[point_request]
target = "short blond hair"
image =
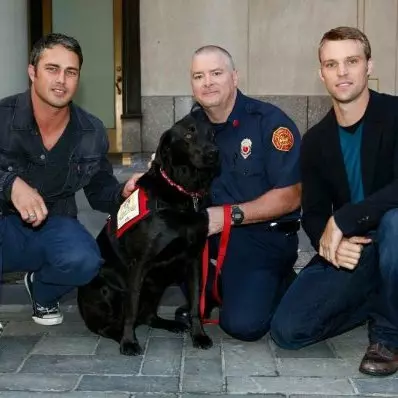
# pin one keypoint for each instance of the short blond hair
(346, 33)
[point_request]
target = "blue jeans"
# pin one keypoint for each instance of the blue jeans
(325, 301)
(61, 252)
(253, 279)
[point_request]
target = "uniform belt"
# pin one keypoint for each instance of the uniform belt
(288, 227)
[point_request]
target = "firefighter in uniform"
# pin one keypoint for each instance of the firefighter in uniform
(259, 149)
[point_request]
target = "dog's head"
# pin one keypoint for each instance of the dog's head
(188, 154)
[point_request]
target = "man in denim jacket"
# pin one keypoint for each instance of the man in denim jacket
(50, 149)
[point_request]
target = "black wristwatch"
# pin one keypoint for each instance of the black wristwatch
(237, 215)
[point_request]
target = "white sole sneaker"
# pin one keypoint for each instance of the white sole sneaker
(42, 315)
(48, 320)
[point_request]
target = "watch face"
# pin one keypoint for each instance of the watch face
(237, 215)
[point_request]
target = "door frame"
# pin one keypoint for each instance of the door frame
(127, 55)
(114, 134)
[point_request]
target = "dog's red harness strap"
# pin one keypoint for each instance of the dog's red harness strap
(205, 270)
(222, 250)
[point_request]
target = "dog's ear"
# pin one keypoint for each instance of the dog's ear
(198, 114)
(162, 155)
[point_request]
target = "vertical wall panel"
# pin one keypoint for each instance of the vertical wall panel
(284, 37)
(13, 46)
(171, 30)
(381, 28)
(91, 23)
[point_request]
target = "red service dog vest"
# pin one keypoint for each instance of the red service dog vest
(132, 210)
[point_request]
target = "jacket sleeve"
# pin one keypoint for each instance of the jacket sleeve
(104, 191)
(7, 178)
(316, 199)
(359, 218)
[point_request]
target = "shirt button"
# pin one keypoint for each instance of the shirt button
(10, 168)
(42, 157)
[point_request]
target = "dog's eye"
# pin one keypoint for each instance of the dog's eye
(191, 129)
(188, 136)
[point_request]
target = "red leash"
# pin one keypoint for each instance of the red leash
(222, 250)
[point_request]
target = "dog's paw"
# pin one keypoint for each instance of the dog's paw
(130, 348)
(202, 341)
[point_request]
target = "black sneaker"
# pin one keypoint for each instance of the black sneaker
(47, 316)
(183, 315)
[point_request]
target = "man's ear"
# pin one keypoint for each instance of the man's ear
(370, 66)
(235, 77)
(31, 72)
(162, 156)
(321, 75)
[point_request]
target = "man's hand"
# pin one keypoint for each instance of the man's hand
(216, 219)
(28, 202)
(330, 241)
(350, 250)
(129, 186)
(150, 161)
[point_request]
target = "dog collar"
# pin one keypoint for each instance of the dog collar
(194, 195)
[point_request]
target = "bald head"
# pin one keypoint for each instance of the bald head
(209, 49)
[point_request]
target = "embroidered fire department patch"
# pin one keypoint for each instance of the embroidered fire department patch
(133, 209)
(246, 148)
(282, 139)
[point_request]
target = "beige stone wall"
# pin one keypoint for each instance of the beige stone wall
(274, 42)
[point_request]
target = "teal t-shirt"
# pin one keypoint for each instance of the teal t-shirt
(350, 142)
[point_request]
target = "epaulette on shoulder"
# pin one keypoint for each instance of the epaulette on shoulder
(261, 107)
(254, 107)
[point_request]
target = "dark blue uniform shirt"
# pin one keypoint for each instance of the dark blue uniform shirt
(255, 156)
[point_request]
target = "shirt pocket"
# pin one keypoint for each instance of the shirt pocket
(249, 167)
(82, 170)
(12, 163)
(248, 178)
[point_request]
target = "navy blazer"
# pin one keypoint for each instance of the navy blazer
(325, 184)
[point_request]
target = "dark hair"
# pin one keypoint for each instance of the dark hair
(346, 33)
(51, 40)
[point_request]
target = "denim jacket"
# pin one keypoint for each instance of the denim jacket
(88, 167)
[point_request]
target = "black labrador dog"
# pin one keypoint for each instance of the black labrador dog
(163, 248)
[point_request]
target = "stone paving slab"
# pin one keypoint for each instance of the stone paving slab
(242, 359)
(38, 382)
(82, 364)
(21, 394)
(69, 361)
(287, 385)
(375, 386)
(13, 351)
(129, 384)
(162, 357)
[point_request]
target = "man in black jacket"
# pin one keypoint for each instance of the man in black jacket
(49, 149)
(349, 166)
